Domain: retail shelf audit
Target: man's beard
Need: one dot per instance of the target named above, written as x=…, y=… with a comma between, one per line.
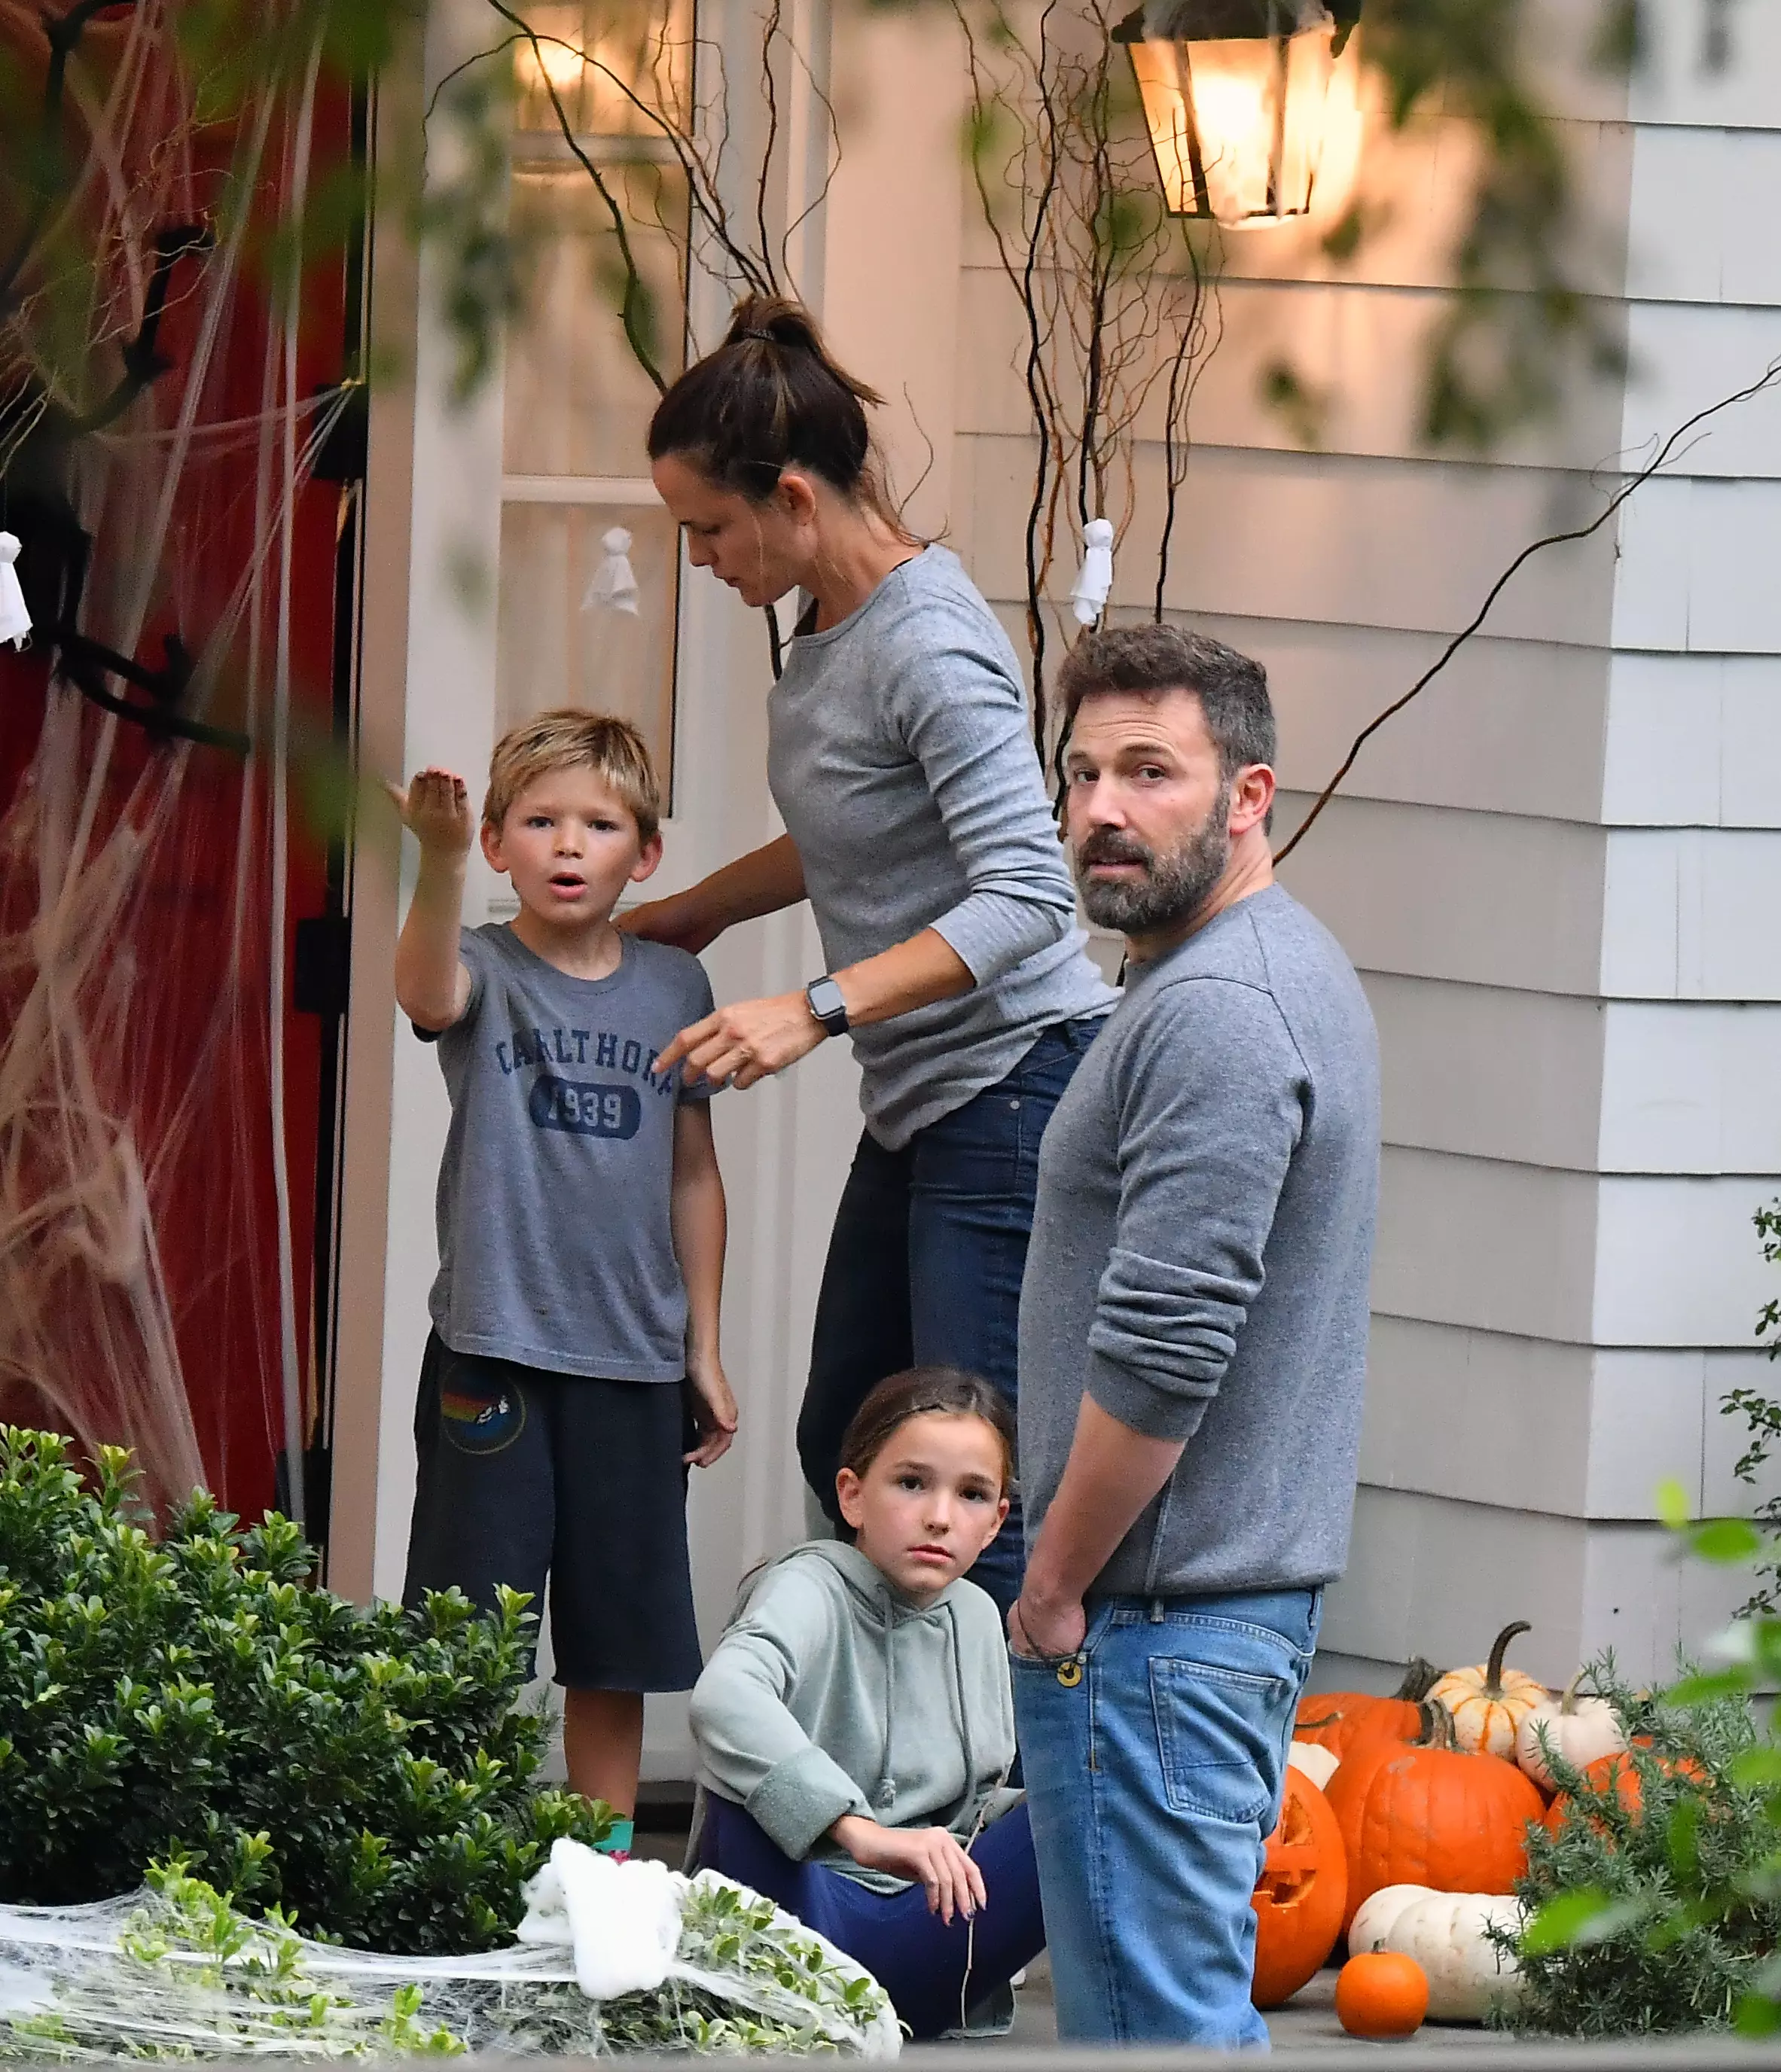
x=1173, y=888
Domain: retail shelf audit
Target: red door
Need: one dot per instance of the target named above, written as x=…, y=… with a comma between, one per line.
x=161, y=1092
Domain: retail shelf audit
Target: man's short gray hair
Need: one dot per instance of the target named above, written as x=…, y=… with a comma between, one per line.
x=1152, y=659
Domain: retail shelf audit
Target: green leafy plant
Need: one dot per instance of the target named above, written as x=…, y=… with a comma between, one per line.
x=1652, y=1905
x=726, y=1931
x=1665, y=1912
x=1762, y=1416
x=192, y=1975
x=367, y=1771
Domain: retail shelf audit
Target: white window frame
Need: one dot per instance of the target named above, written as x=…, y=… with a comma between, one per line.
x=436, y=490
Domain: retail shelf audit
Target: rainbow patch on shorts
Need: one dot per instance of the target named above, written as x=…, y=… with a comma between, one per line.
x=482, y=1422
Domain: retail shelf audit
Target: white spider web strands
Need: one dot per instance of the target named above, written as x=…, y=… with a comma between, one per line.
x=291, y=1392
x=123, y=1978
x=87, y=1325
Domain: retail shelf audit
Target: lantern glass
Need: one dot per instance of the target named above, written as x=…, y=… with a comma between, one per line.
x=1236, y=122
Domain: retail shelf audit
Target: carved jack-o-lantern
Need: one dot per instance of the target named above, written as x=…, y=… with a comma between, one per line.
x=1301, y=1895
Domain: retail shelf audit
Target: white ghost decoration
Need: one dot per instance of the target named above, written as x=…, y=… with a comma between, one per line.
x=14, y=619
x=614, y=581
x=1095, y=584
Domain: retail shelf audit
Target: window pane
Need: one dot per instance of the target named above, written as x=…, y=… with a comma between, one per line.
x=603, y=58
x=578, y=401
x=559, y=645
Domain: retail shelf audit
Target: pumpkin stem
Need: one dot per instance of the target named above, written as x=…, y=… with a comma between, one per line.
x=1567, y=1702
x=1419, y=1678
x=1437, y=1725
x=1493, y=1674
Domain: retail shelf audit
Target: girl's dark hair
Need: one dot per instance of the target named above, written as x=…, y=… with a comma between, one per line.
x=915, y=1392
x=771, y=397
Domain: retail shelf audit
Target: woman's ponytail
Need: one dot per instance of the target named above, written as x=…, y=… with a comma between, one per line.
x=772, y=397
x=774, y=321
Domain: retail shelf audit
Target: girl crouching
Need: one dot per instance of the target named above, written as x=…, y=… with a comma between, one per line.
x=855, y=1726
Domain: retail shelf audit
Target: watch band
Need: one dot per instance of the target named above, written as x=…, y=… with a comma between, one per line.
x=824, y=998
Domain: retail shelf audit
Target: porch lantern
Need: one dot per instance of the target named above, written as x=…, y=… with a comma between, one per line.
x=1234, y=95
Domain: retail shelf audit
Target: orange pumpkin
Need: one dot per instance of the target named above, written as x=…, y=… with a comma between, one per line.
x=1425, y=1812
x=1380, y=1994
x=1618, y=1774
x=1489, y=1703
x=1300, y=1896
x=1332, y=1719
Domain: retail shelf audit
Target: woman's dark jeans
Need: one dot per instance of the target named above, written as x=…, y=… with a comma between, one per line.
x=924, y=1265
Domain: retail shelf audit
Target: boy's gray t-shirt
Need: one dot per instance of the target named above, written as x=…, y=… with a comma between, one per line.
x=556, y=1248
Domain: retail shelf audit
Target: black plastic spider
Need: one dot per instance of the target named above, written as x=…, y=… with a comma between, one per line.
x=39, y=436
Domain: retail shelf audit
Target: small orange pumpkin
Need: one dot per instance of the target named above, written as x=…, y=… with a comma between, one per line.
x=1380, y=1994
x=1300, y=1896
x=1489, y=1703
x=1425, y=1812
x=1332, y=1719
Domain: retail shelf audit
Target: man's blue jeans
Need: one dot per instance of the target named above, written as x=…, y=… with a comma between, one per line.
x=1155, y=1759
x=925, y=1263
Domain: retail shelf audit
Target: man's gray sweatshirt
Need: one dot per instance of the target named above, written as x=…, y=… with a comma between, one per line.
x=1201, y=1249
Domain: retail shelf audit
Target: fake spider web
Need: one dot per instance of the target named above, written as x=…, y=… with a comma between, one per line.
x=176, y=1972
x=155, y=1175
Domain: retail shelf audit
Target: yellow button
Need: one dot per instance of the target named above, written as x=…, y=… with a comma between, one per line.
x=1069, y=1674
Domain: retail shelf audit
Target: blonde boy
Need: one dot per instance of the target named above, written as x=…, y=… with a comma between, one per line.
x=573, y=1371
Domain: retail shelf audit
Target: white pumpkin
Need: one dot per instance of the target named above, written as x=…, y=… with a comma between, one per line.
x=1579, y=1729
x=1377, y=1914
x=1443, y=1931
x=1310, y=1759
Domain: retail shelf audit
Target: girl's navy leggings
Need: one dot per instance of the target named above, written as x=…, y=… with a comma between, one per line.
x=920, y=1962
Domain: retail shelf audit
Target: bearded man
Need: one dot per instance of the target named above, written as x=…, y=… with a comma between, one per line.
x=1193, y=1339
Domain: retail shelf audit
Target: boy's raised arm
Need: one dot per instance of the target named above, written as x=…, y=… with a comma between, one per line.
x=695, y=1209
x=432, y=983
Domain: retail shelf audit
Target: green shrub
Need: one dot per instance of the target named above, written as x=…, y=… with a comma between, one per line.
x=1656, y=1903
x=191, y=1697
x=1762, y=1416
x=1673, y=1920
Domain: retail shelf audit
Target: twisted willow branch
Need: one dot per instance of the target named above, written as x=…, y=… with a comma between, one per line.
x=755, y=269
x=634, y=299
x=1766, y=380
x=1107, y=320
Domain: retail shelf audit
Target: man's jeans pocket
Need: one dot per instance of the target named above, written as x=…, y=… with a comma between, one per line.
x=1218, y=1736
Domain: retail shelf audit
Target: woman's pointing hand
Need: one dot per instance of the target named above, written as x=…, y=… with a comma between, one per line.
x=745, y=1043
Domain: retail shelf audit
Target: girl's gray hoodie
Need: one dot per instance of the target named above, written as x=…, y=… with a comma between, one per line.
x=830, y=1693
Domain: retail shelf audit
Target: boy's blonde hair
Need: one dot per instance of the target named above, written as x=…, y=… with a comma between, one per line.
x=567, y=738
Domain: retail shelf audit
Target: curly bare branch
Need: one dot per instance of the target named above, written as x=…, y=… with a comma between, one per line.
x=1769, y=379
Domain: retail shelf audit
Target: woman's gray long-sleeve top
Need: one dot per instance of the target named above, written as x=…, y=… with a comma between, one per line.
x=900, y=759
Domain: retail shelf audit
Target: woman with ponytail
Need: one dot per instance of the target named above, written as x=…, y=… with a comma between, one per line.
x=917, y=826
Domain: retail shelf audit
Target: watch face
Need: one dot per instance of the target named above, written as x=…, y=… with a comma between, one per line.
x=825, y=999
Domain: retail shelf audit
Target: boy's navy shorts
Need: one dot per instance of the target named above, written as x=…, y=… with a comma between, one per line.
x=525, y=1474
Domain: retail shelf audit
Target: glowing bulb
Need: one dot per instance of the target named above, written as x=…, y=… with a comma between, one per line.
x=1237, y=122
x=555, y=62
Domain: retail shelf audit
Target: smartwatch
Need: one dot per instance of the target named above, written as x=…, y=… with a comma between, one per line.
x=824, y=998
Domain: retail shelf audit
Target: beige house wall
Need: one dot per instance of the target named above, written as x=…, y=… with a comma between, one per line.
x=1557, y=872
x=1554, y=872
